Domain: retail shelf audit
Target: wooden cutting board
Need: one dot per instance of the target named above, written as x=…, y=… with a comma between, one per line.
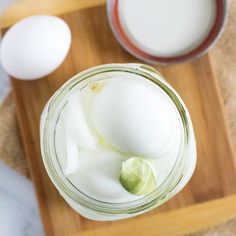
x=208, y=199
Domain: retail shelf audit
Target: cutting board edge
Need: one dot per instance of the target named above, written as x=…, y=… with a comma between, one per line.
x=198, y=217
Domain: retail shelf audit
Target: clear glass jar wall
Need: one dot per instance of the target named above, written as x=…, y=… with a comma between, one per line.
x=87, y=206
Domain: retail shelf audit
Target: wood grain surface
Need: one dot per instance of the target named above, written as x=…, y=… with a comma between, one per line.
x=18, y=9
x=94, y=44
x=183, y=221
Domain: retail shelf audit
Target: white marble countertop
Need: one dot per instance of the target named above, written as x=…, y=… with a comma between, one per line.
x=18, y=207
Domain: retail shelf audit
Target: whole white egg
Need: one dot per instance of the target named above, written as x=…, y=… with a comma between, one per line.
x=136, y=118
x=35, y=46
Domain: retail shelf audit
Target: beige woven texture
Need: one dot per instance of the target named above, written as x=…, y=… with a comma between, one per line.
x=11, y=150
x=223, y=59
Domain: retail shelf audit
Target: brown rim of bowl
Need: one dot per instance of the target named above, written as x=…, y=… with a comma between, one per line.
x=123, y=39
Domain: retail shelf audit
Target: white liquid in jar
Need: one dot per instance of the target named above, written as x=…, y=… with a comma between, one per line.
x=110, y=121
x=167, y=27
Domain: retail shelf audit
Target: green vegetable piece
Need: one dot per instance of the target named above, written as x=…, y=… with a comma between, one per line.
x=137, y=177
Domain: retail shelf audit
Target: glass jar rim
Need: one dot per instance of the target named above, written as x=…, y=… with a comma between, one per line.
x=207, y=43
x=48, y=125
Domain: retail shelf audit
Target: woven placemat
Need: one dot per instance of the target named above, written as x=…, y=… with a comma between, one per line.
x=11, y=149
x=223, y=59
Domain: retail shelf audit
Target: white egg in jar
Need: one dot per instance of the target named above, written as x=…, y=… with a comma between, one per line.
x=135, y=117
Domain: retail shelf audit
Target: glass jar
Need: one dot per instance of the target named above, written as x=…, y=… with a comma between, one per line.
x=87, y=206
x=132, y=44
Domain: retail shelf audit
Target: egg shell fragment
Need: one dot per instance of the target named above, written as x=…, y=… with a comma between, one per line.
x=77, y=132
